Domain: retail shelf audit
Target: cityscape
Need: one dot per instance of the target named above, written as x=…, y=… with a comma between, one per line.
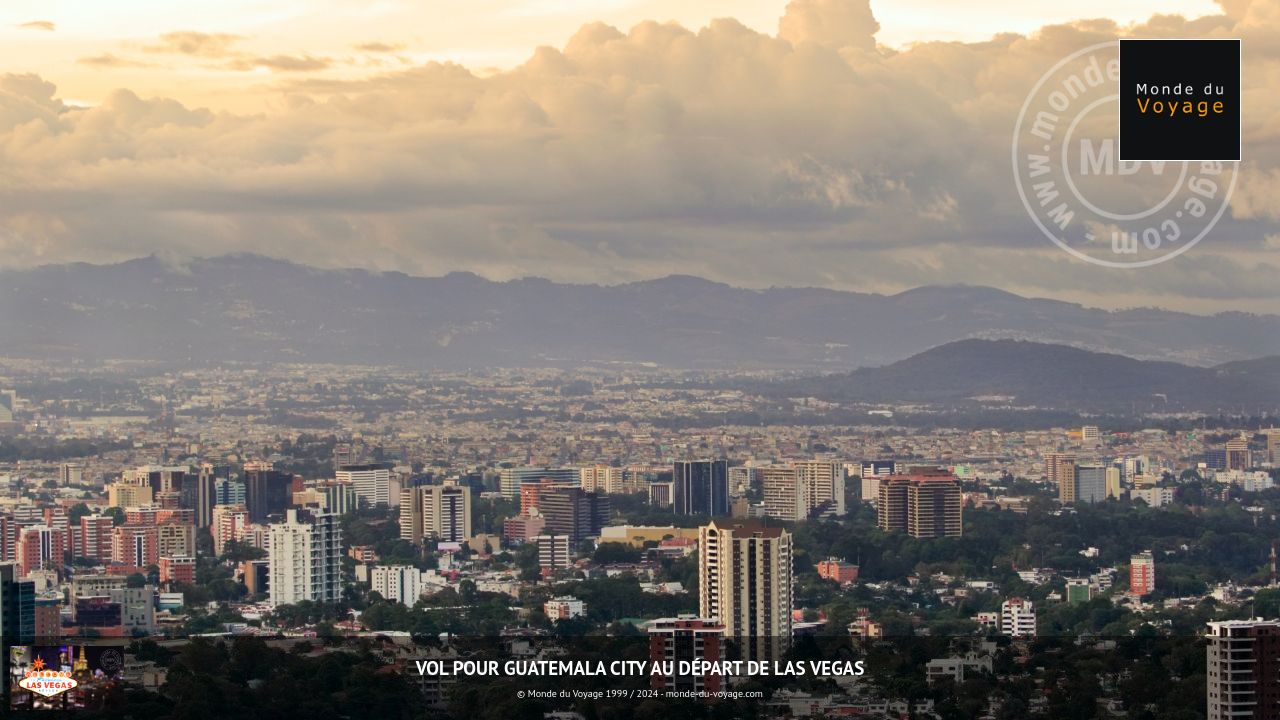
x=304, y=506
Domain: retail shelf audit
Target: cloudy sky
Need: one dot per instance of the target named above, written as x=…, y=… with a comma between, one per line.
x=828, y=143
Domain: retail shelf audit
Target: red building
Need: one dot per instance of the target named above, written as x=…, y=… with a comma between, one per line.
x=180, y=569
x=39, y=546
x=684, y=639
x=95, y=537
x=135, y=545
x=838, y=570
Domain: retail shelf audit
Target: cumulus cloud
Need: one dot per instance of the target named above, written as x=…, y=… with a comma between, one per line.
x=808, y=157
x=43, y=25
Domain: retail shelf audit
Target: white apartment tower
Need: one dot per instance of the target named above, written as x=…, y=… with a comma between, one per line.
x=305, y=559
x=744, y=572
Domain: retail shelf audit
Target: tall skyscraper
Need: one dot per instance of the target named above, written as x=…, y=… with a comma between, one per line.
x=1060, y=472
x=701, y=487
x=925, y=504
x=1142, y=574
x=305, y=559
x=372, y=482
x=1091, y=483
x=442, y=512
x=267, y=491
x=17, y=617
x=573, y=512
x=1242, y=670
x=206, y=495
x=95, y=537
x=744, y=584
x=802, y=490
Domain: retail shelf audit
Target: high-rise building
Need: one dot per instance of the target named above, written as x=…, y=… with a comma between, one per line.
x=554, y=553
x=371, y=481
x=1142, y=574
x=573, y=512
x=135, y=546
x=925, y=504
x=1238, y=454
x=176, y=539
x=305, y=559
x=95, y=537
x=870, y=473
x=208, y=481
x=1090, y=435
x=662, y=494
x=267, y=491
x=123, y=494
x=160, y=478
x=442, y=512
x=701, y=487
x=802, y=490
x=601, y=479
x=398, y=583
x=1018, y=617
x=1242, y=672
x=70, y=474
x=1091, y=483
x=1273, y=445
x=329, y=496
x=744, y=584
x=39, y=547
x=1060, y=472
x=682, y=641
x=230, y=522
x=510, y=480
x=17, y=616
x=178, y=569
x=1113, y=476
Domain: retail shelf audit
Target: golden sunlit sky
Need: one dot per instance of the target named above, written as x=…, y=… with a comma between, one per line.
x=835, y=143
x=95, y=46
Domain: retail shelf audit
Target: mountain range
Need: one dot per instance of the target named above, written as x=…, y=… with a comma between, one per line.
x=252, y=308
x=993, y=373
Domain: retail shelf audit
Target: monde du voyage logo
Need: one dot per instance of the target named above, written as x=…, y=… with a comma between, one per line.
x=47, y=682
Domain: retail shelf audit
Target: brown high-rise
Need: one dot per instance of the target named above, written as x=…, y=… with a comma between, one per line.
x=1243, y=670
x=1060, y=472
x=926, y=504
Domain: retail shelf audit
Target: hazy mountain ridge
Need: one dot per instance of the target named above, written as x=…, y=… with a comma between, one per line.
x=1010, y=372
x=246, y=307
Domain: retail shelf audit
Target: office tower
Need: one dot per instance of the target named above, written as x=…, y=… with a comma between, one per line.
x=1273, y=445
x=40, y=546
x=371, y=482
x=1060, y=472
x=135, y=546
x=554, y=553
x=1113, y=476
x=328, y=496
x=267, y=491
x=70, y=474
x=925, y=504
x=305, y=559
x=601, y=479
x=95, y=537
x=701, y=487
x=230, y=522
x=124, y=495
x=1238, y=454
x=1091, y=483
x=442, y=512
x=744, y=584
x=1242, y=670
x=213, y=484
x=1018, y=618
x=1090, y=435
x=398, y=583
x=176, y=539
x=785, y=494
x=684, y=639
x=572, y=512
x=662, y=494
x=17, y=616
x=510, y=480
x=1142, y=574
x=160, y=478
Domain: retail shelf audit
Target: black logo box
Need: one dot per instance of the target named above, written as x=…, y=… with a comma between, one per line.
x=1184, y=63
